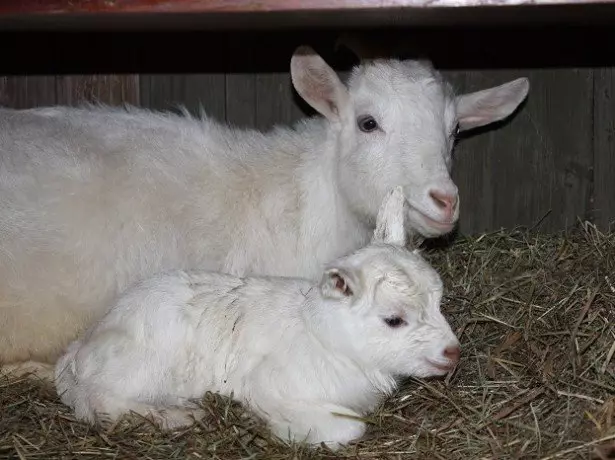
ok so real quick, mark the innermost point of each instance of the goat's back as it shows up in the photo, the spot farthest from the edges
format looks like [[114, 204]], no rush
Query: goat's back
[[94, 199]]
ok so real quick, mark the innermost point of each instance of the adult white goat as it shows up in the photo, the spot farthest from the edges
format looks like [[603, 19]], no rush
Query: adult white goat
[[95, 199], [293, 350]]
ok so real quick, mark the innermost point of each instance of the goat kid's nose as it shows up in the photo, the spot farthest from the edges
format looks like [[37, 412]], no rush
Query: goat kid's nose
[[445, 201], [453, 353]]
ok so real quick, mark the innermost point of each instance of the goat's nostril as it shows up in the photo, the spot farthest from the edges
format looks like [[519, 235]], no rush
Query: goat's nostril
[[453, 353], [443, 200]]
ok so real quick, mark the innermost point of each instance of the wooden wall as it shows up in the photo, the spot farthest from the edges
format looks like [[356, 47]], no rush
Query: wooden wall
[[551, 164]]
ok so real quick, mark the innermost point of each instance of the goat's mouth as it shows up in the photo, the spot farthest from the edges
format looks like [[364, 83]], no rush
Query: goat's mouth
[[438, 225], [442, 225], [428, 226]]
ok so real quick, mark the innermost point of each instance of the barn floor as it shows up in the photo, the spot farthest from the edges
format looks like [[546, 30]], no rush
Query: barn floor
[[536, 316]]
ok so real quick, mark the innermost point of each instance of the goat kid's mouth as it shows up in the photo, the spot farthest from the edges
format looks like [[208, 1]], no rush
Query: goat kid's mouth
[[441, 367]]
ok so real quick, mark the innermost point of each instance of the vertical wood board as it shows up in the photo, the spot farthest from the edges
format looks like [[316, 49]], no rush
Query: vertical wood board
[[193, 91], [472, 166], [240, 91], [603, 205], [276, 100], [107, 89], [538, 163], [26, 92]]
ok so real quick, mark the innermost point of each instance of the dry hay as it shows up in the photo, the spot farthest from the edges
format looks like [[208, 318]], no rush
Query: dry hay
[[536, 381]]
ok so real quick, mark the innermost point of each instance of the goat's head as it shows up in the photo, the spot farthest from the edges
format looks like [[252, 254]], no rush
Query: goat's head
[[395, 122]]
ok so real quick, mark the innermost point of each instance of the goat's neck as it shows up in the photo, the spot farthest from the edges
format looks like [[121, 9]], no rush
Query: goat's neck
[[328, 227]]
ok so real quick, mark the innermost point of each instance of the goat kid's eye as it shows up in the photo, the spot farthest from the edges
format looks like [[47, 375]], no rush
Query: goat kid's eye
[[367, 124], [455, 132], [394, 321]]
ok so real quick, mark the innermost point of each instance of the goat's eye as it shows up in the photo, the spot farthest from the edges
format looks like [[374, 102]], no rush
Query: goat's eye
[[394, 321], [367, 124]]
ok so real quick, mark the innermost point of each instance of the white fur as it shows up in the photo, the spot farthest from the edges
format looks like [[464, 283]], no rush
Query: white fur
[[95, 199], [292, 350]]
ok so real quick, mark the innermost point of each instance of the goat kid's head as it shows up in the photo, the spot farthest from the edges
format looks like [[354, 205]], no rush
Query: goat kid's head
[[385, 302], [396, 122]]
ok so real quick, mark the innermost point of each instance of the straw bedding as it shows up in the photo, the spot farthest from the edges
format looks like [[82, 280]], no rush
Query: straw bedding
[[535, 315]]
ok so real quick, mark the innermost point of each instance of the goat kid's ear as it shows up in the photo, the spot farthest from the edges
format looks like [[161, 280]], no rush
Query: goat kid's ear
[[490, 105], [390, 223], [414, 241], [338, 283], [317, 83]]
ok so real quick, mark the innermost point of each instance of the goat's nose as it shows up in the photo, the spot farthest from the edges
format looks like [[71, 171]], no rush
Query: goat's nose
[[453, 353], [445, 201]]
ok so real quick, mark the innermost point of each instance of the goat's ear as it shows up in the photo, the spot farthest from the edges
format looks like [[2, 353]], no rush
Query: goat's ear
[[390, 223], [317, 83], [338, 283], [490, 105]]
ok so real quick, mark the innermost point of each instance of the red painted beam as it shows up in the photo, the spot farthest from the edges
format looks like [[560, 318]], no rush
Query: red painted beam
[[63, 7]]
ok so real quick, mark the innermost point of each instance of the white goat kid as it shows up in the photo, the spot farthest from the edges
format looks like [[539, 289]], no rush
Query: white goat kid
[[96, 199], [291, 349]]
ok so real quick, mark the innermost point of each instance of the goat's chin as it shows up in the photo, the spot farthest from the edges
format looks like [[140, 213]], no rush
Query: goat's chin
[[429, 228]]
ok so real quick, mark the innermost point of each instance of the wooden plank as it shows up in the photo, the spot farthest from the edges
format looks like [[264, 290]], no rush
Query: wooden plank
[[240, 98], [193, 91], [25, 92], [537, 163], [264, 98], [190, 6], [276, 100], [240, 92], [603, 205], [106, 89]]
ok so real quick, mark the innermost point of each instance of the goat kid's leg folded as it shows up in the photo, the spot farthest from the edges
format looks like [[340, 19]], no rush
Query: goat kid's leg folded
[[105, 409], [315, 423]]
